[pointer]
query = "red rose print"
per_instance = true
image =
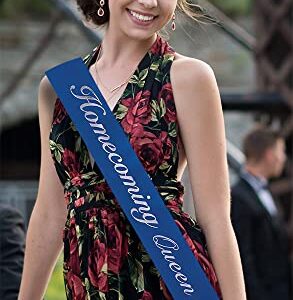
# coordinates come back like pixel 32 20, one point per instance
pixel 79 202
pixel 166 94
pixel 151 150
pixel 103 282
pixel 118 248
pixel 67 196
pixel 71 163
pixel 148 147
pixel 117 243
pixel 97 258
pixel 59 112
pixel 156 48
pixel 103 187
pixel 91 215
pixel 73 262
pixel 76 286
pixel 167 144
pixel 76 180
pixel 70 160
pixel 146 296
pixel 174 205
pixel 160 48
pixel 138 110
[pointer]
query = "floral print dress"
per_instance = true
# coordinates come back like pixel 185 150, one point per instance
pixel 103 256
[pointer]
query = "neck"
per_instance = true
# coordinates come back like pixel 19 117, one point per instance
pixel 257 170
pixel 123 52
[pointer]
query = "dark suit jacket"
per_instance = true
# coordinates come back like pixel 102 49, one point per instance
pixel 263 245
pixel 12 245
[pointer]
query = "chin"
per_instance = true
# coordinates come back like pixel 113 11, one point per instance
pixel 139 35
pixel 278 173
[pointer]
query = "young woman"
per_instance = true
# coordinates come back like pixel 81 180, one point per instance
pixel 169 107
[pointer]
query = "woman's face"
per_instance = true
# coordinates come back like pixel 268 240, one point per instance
pixel 140 19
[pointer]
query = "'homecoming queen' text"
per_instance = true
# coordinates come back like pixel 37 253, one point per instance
pixel 141 212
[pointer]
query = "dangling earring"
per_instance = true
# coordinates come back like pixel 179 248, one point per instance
pixel 173 23
pixel 101 11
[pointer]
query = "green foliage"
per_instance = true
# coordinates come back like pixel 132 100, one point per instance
pixel 56 290
pixel 234 7
pixel 25 8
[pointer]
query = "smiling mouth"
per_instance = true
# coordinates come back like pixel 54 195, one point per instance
pixel 141 17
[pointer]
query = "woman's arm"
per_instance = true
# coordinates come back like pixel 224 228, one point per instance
pixel 202 130
pixel 44 236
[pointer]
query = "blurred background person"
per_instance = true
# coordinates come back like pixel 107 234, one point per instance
pixel 12 246
pixel 257 221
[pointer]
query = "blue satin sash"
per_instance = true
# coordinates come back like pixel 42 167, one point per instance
pixel 129 181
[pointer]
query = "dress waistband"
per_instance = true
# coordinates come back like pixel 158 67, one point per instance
pixel 88 190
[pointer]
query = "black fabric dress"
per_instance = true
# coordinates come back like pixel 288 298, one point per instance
pixel 103 256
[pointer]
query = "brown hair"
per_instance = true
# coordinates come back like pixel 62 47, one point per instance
pixel 258 140
pixel 89 9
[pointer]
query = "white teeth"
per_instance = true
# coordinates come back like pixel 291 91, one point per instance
pixel 141 17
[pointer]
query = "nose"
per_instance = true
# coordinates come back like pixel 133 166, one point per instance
pixel 148 3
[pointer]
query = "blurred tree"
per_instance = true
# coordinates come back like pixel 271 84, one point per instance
pixel 24 8
pixel 234 7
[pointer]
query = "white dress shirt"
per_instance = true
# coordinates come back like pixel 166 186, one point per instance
pixel 260 186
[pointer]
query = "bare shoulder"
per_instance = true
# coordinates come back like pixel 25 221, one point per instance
pixel 190 62
pixel 46 102
pixel 190 73
pixel 46 90
pixel 194 84
pixel 46 99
